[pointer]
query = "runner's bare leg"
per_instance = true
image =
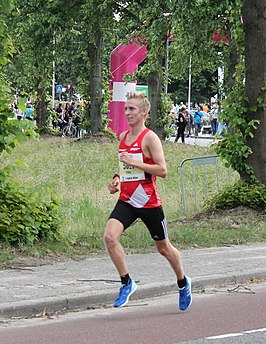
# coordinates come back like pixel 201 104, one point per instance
pixel 166 249
pixel 113 231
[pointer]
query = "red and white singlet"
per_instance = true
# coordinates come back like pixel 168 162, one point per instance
pixel 138 188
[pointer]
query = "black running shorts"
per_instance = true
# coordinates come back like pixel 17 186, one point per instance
pixel 153 218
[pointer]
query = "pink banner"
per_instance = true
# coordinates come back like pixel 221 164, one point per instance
pixel 125 59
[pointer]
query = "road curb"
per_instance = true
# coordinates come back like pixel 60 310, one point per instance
pixel 52 305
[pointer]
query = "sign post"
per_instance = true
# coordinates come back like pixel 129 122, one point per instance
pixel 59 89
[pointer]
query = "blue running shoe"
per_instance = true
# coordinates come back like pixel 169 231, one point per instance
pixel 125 292
pixel 185 296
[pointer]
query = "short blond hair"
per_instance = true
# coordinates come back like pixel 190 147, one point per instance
pixel 144 102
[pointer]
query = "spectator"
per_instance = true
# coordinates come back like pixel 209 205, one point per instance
pixel 66 113
pixel 189 119
pixel 205 108
pixel 177 108
pixel 18 112
pixel 58 121
pixel 71 109
pixel 29 112
pixel 214 119
pixel 28 101
pixel 181 125
pixel 77 121
pixel 198 120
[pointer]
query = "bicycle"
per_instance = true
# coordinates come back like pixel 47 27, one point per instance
pixel 70 129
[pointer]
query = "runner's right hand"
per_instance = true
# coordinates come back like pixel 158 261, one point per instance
pixel 113 186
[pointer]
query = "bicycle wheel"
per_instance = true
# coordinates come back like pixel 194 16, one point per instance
pixel 65 131
pixel 73 131
pixel 69 131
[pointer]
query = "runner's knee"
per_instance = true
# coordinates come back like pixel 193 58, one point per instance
pixel 163 249
pixel 109 238
pixel 166 249
pixel 112 232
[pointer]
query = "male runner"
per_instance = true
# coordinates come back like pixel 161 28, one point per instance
pixel 141 159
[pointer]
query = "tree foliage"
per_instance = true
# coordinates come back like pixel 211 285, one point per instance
pixel 11 132
pixel 86 31
pixel 23 217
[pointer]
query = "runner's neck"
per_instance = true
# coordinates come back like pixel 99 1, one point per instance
pixel 134 134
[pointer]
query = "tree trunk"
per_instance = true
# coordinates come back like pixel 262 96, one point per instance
pixel 254 17
pixel 230 77
pixel 95 80
pixel 155 83
pixel 41 108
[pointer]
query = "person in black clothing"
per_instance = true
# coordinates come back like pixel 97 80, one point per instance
pixel 77 121
pixel 58 120
pixel 71 109
pixel 181 125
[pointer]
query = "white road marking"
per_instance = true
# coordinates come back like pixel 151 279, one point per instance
pixel 228 335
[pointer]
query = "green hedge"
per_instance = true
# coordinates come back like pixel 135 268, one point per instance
pixel 24 218
pixel 241 193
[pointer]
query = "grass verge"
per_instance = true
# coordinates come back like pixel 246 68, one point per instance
pixel 78 172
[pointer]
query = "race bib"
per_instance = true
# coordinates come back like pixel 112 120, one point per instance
pixel 131 173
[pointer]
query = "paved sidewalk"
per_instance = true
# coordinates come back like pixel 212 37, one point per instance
pixel 204 141
pixel 94 282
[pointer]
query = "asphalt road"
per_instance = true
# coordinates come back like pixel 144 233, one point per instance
pixel 216 316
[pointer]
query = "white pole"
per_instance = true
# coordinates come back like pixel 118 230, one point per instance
pixel 220 79
pixel 166 64
pixel 53 82
pixel 167 14
pixel 189 84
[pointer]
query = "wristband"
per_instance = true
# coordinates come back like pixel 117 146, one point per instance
pixel 116 176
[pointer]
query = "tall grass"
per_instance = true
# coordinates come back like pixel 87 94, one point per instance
pixel 79 171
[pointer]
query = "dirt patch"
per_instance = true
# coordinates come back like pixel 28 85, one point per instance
pixel 21 261
pixel 240 214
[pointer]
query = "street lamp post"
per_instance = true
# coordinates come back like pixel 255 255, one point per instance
pixel 167 15
pixel 189 84
pixel 53 78
pixel 166 64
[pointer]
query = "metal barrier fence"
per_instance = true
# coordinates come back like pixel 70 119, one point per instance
pixel 206 176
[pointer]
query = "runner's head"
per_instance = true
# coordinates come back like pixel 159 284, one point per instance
pixel 143 103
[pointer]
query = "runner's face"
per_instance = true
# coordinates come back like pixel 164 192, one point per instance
pixel 134 113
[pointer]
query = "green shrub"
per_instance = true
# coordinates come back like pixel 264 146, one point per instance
pixel 49 131
pixel 26 219
pixel 241 193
